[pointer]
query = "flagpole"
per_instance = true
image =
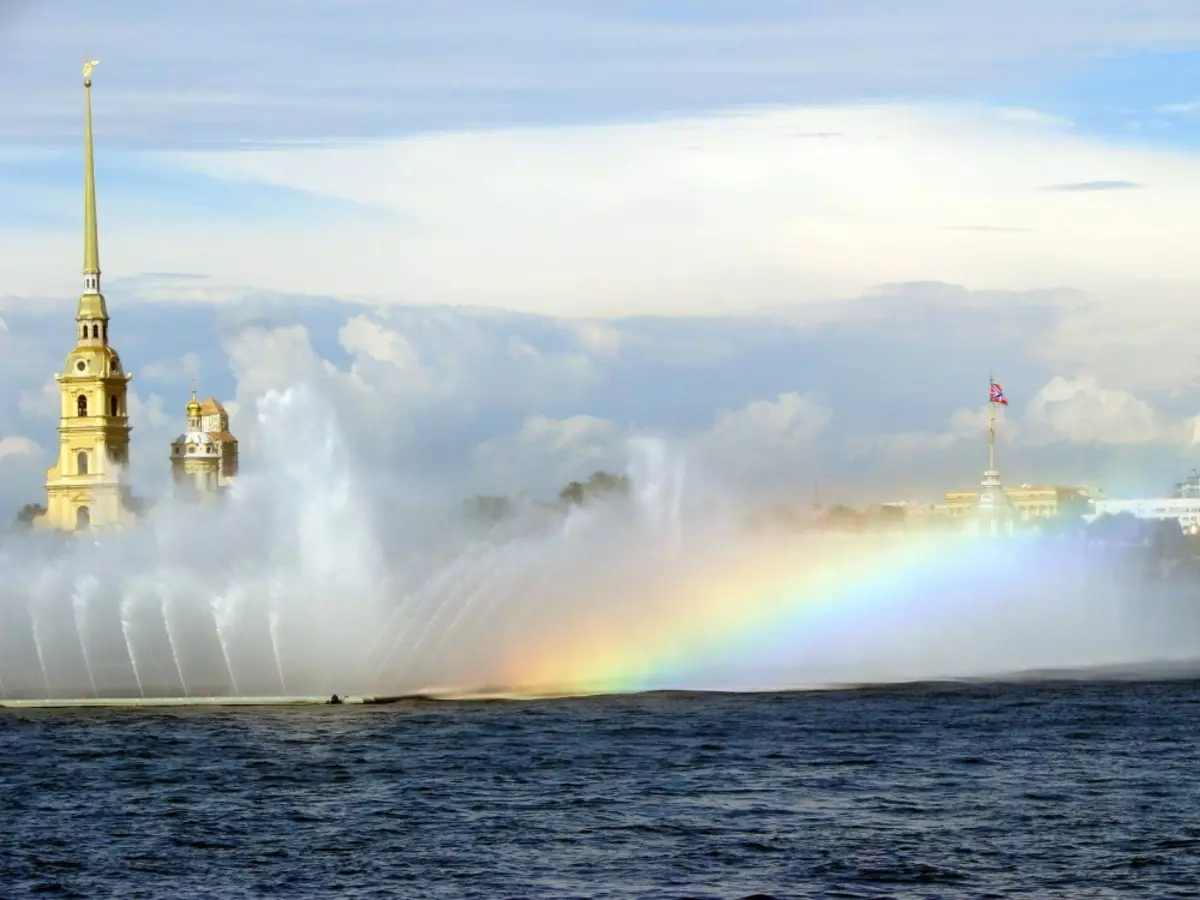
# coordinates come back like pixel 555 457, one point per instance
pixel 991 426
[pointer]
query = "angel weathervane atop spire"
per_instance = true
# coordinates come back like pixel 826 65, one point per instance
pixel 88 66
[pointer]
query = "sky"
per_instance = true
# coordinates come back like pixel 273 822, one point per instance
pixel 788 240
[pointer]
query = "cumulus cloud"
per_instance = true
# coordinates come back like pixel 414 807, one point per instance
pixel 44 403
pixel 546 453
pixel 18 445
pixel 173 371
pixel 484 400
pixel 1083 411
pixel 765 441
pixel 968 426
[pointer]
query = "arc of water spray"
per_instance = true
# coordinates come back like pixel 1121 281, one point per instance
pixel 34 608
pixel 454 574
pixel 127 607
pixel 80 595
pixel 163 593
pixel 274 618
pixel 222 608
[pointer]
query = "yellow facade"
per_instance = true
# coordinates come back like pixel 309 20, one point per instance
pixel 87 487
pixel 214 421
pixel 1030 501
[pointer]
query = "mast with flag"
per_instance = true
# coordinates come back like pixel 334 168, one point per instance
pixel 995 398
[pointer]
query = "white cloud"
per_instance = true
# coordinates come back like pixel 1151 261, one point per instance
pixel 362 335
pixel 173 371
pixel 705 214
pixel 1081 410
pixel 1189 106
pixel 42 404
pixel 429 66
pixel 547 452
pixel 765 444
pixel 150 413
pixel 597 338
pixel 1035 117
pixel 969 426
pixel 18 445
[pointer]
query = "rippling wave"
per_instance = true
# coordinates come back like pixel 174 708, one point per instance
pixel 1066 790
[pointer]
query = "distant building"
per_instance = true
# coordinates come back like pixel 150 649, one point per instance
pixel 1185 510
pixel 1183 506
pixel 1190 486
pixel 214 422
pixel 204 457
pixel 1030 502
pixel 992 512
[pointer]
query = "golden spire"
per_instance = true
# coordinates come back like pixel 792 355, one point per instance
pixel 193 408
pixel 91 304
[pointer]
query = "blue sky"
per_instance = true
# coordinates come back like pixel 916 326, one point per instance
pixel 504 237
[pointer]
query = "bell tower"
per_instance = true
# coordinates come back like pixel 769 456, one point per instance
pixel 87 485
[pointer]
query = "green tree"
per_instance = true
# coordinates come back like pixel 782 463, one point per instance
pixel 572 494
pixel 488 509
pixel 1122 528
pixel 28 513
pixel 599 485
pixel 842 518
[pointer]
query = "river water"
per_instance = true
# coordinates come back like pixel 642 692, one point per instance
pixel 1081 789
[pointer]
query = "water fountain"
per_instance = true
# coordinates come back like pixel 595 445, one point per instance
pixel 293 589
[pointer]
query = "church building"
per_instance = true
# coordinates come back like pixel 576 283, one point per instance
pixel 88 486
pixel 204 457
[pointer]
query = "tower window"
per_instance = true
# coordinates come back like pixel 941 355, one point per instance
pixel 83 332
pixel 112 405
pixel 81 462
pixel 104 331
pixel 81 405
pixel 83 517
pixel 95 331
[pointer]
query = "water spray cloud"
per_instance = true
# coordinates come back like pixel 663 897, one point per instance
pixel 310 579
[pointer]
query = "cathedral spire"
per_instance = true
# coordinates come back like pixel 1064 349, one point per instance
pixel 91 303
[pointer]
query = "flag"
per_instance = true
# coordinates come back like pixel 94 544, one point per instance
pixel 997 395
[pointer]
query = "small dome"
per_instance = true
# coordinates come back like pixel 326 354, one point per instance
pixel 194 410
pixel 194 443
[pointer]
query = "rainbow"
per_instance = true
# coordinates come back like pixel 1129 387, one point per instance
pixel 755 616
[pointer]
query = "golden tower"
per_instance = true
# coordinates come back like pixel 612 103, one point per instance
pixel 87 486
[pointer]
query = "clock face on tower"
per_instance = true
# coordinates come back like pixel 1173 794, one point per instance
pixel 81 366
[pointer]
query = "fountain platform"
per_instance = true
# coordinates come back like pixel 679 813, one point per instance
pixel 170 702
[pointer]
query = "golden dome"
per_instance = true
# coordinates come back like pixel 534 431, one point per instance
pixel 193 408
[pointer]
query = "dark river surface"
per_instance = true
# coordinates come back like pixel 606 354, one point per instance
pixel 1046 790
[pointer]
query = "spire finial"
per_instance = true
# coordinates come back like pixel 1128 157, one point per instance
pixel 91 239
pixel 193 387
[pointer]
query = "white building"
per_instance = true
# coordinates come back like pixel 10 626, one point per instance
pixel 1185 510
